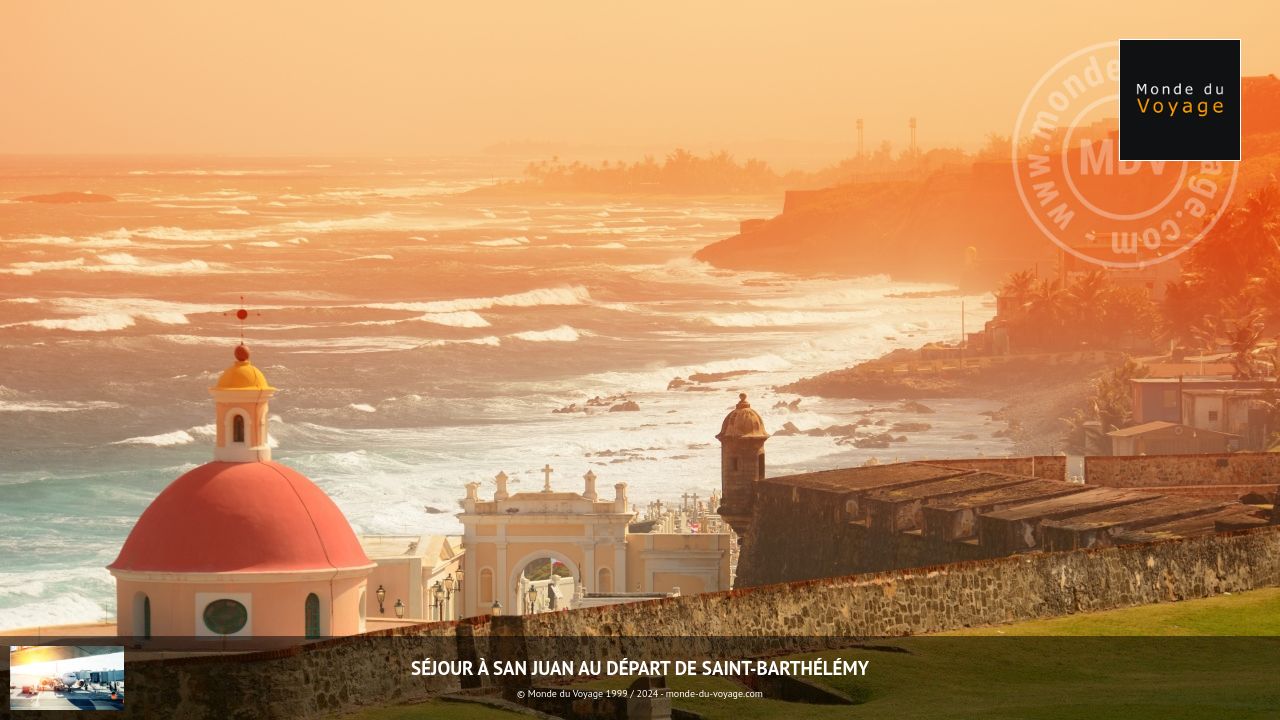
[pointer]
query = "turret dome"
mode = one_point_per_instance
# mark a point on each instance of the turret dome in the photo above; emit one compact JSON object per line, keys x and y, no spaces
{"x":742,"y":422}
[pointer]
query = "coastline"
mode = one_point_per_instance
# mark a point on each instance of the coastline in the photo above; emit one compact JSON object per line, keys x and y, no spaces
{"x":1034,"y":394}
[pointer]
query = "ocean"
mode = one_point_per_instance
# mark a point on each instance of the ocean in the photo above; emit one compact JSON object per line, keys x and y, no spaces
{"x":422,"y":328}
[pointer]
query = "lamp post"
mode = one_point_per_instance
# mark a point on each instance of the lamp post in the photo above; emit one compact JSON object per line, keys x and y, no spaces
{"x":381,"y":592}
{"x":448,"y":595}
{"x":438,"y":591}
{"x":399,"y":608}
{"x":530,"y":597}
{"x":496,"y":610}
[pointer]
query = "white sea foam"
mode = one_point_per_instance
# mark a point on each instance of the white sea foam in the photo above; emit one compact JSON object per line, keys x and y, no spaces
{"x":575,"y":295}
{"x":373,"y":257}
{"x":462,"y":319}
{"x":782,"y":318}
{"x":177,"y":437}
{"x":564,"y":333}
{"x":233,"y":211}
{"x":519,"y":241}
{"x":55,"y":407}
{"x":266,"y":243}
{"x":363,"y":407}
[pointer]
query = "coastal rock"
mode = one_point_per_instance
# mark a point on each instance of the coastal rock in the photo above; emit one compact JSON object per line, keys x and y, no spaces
{"x":628,"y":406}
{"x":788,"y":428}
{"x":915,"y":407}
{"x":678,"y":383}
{"x":910,"y":427}
{"x":793,"y":406}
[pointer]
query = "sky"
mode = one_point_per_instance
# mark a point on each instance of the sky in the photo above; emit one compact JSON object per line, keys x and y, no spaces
{"x":412,"y":78}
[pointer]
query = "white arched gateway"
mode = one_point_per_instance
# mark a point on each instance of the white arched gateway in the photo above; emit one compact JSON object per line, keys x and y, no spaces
{"x":504,"y":536}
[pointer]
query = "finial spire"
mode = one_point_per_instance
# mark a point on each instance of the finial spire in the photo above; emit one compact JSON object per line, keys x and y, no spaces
{"x":241,"y":314}
{"x":742,"y":401}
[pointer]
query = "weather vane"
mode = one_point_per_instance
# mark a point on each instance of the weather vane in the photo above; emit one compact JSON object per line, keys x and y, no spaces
{"x":241,"y":314}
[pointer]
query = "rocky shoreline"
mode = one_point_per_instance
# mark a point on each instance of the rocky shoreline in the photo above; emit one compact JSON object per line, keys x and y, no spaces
{"x":1035,"y":395}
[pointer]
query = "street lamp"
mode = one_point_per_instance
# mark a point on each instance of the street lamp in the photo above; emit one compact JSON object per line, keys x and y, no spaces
{"x":399,"y":608}
{"x":530,"y":597}
{"x":459,"y":579}
{"x":381,"y":592}
{"x":448,"y":594}
{"x":496,"y":610}
{"x":438,"y":592}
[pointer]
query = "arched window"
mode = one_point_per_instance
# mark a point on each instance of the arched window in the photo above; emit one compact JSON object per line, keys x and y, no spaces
{"x":237,"y":429}
{"x":142,"y":616}
{"x":313,"y":616}
{"x":486,"y":589}
{"x":760,"y":469}
{"x":364,"y":611}
{"x":605,"y":584}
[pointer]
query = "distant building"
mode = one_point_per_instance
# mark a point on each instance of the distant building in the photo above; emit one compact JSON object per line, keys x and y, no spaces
{"x":411,"y":570}
{"x":521,"y":548}
{"x":1165,"y":438}
{"x":1160,"y":398}
{"x":1240,"y":412}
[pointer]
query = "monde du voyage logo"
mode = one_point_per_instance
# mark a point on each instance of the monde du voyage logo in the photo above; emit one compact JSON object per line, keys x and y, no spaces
{"x":1125,"y":153}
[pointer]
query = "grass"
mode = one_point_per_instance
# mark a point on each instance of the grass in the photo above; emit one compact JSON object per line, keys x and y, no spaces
{"x":1211,"y":658}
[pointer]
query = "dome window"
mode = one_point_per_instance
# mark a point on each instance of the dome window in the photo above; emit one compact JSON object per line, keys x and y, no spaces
{"x":312,"y":612}
{"x":225,"y":616}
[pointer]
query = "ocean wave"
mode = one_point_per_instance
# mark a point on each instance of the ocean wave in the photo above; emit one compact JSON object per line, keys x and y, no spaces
{"x":109,"y":239}
{"x":575,"y":295}
{"x":564,"y":333}
{"x":460,"y":318}
{"x":363,"y":407}
{"x":372,"y":257}
{"x":177,"y":437}
{"x":233,"y":211}
{"x":782,"y":318}
{"x":55,"y":407}
{"x":105,"y":314}
{"x":116,"y":263}
{"x":519,"y":241}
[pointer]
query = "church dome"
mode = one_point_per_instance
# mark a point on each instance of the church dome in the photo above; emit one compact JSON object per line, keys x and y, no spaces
{"x":742,"y":422}
{"x":241,"y":517}
{"x":242,"y":375}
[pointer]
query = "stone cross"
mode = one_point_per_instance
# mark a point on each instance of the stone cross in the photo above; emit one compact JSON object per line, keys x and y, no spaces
{"x":685,"y":497}
{"x":546,"y":472}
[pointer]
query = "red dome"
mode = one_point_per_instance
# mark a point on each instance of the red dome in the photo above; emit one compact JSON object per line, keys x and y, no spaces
{"x":241,"y":517}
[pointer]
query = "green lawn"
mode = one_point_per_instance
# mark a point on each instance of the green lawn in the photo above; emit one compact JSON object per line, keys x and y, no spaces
{"x":1211,"y":658}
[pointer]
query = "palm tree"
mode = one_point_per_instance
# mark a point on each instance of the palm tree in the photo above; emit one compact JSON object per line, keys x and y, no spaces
{"x":1240,"y":323}
{"x":1018,"y":285}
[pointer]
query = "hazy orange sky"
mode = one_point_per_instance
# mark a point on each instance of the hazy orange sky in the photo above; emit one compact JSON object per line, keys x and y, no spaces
{"x":415,"y":78}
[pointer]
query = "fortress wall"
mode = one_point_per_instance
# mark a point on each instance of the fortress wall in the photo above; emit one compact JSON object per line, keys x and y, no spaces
{"x":342,"y":674}
{"x":1183,"y":471}
{"x":801,"y":533}
{"x":313,"y":680}
{"x":1049,"y":467}
{"x":934,"y":599}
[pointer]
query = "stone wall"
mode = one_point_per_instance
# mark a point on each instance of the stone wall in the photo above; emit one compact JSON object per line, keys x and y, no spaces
{"x":339,"y":675}
{"x":1232,"y":475}
{"x":1049,"y":467}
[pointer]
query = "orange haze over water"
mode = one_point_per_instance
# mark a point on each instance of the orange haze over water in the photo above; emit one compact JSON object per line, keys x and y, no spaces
{"x":412,"y":78}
